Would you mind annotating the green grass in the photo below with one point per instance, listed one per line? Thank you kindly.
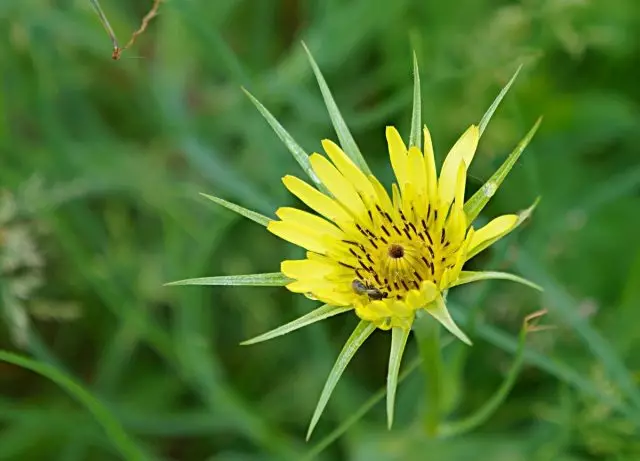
(105, 161)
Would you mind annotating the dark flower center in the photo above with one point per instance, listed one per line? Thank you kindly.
(396, 251)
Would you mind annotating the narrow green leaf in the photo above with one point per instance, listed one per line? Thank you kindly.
(496, 102)
(438, 309)
(344, 135)
(112, 427)
(471, 276)
(490, 406)
(357, 338)
(477, 202)
(271, 279)
(399, 338)
(522, 216)
(298, 152)
(321, 313)
(252, 215)
(415, 138)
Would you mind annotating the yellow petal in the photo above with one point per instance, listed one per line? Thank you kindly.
(383, 197)
(342, 190)
(398, 155)
(430, 166)
(316, 200)
(496, 229)
(418, 177)
(311, 221)
(303, 269)
(298, 235)
(349, 170)
(463, 151)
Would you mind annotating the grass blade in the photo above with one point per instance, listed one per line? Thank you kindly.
(323, 312)
(472, 276)
(357, 338)
(496, 102)
(344, 135)
(112, 427)
(271, 279)
(477, 202)
(252, 215)
(298, 152)
(399, 338)
(415, 138)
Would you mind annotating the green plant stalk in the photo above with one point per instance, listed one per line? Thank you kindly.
(484, 412)
(427, 332)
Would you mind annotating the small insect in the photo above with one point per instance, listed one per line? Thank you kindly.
(362, 288)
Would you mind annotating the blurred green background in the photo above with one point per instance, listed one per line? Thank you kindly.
(102, 162)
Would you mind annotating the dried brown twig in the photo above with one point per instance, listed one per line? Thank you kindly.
(117, 50)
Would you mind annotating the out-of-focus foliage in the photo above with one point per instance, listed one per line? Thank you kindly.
(121, 150)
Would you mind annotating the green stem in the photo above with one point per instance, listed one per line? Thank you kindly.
(427, 332)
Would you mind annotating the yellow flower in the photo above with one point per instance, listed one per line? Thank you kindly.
(387, 257)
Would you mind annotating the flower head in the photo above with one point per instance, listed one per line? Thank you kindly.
(387, 255)
(384, 253)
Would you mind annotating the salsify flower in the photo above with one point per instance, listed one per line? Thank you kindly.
(385, 254)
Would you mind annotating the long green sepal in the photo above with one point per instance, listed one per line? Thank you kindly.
(321, 313)
(298, 152)
(478, 201)
(344, 135)
(415, 138)
(252, 215)
(271, 279)
(111, 425)
(485, 411)
(399, 338)
(357, 338)
(472, 276)
(496, 102)
(438, 309)
(522, 216)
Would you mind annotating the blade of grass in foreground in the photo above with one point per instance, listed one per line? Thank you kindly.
(114, 430)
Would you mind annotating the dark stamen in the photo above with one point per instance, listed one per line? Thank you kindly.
(346, 265)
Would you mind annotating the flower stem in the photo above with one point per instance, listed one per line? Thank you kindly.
(427, 332)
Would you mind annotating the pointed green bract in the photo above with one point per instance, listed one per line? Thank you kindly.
(522, 216)
(471, 276)
(298, 152)
(438, 309)
(399, 338)
(344, 135)
(271, 279)
(252, 215)
(415, 138)
(477, 202)
(496, 102)
(357, 338)
(314, 316)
